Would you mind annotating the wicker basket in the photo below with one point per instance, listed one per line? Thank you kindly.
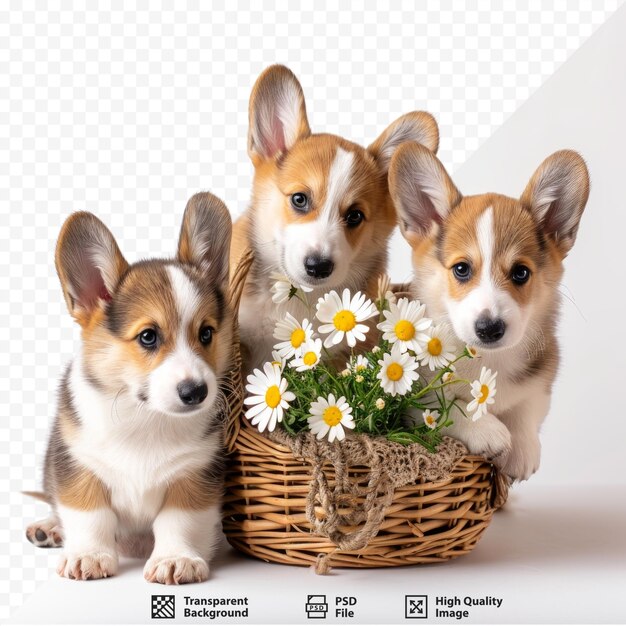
(266, 497)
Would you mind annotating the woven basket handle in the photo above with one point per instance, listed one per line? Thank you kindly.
(235, 382)
(238, 280)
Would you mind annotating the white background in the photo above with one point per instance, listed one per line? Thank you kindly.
(127, 113)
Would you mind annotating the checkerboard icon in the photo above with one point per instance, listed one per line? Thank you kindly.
(163, 607)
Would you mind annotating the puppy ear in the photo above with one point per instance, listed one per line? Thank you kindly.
(417, 126)
(422, 191)
(557, 194)
(89, 264)
(205, 235)
(277, 114)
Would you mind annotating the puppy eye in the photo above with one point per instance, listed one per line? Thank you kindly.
(148, 338)
(206, 335)
(300, 201)
(354, 216)
(520, 274)
(462, 271)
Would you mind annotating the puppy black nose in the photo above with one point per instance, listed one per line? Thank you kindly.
(192, 392)
(318, 267)
(489, 330)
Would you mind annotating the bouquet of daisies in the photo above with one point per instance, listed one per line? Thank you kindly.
(397, 389)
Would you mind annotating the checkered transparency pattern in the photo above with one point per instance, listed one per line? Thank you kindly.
(163, 607)
(127, 113)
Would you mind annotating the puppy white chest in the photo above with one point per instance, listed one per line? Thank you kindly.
(510, 391)
(136, 454)
(135, 507)
(137, 475)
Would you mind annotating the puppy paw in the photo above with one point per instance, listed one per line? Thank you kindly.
(490, 438)
(523, 461)
(46, 533)
(176, 570)
(88, 565)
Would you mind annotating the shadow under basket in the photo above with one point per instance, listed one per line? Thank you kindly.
(271, 513)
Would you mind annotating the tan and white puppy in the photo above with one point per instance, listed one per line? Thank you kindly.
(490, 266)
(134, 461)
(320, 214)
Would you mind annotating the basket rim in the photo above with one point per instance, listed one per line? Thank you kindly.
(285, 450)
(282, 453)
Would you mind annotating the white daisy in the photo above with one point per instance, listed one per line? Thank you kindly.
(358, 363)
(405, 324)
(397, 371)
(341, 317)
(310, 356)
(471, 352)
(283, 289)
(439, 348)
(279, 360)
(330, 416)
(484, 391)
(358, 378)
(291, 335)
(380, 404)
(430, 418)
(268, 397)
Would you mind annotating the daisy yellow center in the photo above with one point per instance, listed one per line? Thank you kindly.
(430, 419)
(484, 394)
(394, 371)
(277, 363)
(434, 346)
(332, 416)
(310, 358)
(344, 320)
(297, 337)
(272, 396)
(405, 331)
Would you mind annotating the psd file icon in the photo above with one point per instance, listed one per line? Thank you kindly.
(415, 607)
(316, 607)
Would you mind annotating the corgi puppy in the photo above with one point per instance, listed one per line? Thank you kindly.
(320, 214)
(490, 267)
(134, 461)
